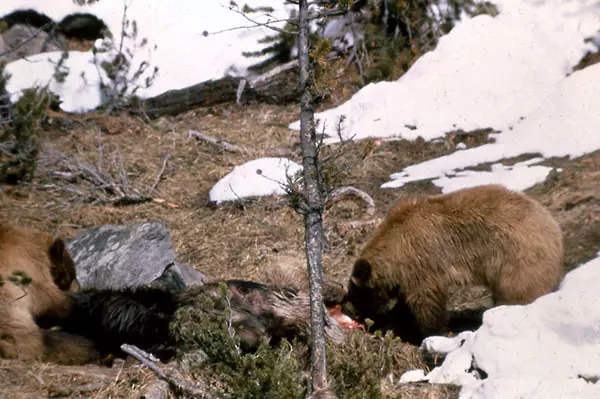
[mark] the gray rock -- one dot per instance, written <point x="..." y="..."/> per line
<point x="113" y="256"/>
<point x="18" y="37"/>
<point x="178" y="276"/>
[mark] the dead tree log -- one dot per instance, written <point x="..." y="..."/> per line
<point x="279" y="85"/>
<point x="173" y="102"/>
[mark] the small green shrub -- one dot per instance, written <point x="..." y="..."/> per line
<point x="20" y="123"/>
<point x="356" y="367"/>
<point x="120" y="77"/>
<point x="270" y="372"/>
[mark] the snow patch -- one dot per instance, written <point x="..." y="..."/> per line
<point x="541" y="350"/>
<point x="184" y="55"/>
<point x="565" y="124"/>
<point x="263" y="176"/>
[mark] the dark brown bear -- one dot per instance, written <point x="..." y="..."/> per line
<point x="45" y="260"/>
<point x="486" y="235"/>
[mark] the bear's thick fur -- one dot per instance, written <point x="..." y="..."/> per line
<point x="486" y="235"/>
<point x="45" y="260"/>
<point x="143" y="316"/>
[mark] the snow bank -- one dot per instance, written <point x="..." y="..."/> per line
<point x="508" y="73"/>
<point x="76" y="94"/>
<point x="263" y="176"/>
<point x="183" y="55"/>
<point x="541" y="350"/>
<point x="487" y="72"/>
<point x="566" y="124"/>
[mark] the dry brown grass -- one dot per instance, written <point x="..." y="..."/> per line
<point x="42" y="380"/>
<point x="244" y="240"/>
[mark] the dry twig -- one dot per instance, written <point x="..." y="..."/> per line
<point x="218" y="142"/>
<point x="98" y="183"/>
<point x="159" y="176"/>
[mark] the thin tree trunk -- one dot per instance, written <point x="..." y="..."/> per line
<point x="313" y="220"/>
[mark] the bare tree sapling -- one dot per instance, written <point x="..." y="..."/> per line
<point x="313" y="207"/>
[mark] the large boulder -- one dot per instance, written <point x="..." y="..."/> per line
<point x="113" y="256"/>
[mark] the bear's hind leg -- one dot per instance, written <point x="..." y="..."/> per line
<point x="21" y="338"/>
<point x="65" y="348"/>
<point x="521" y="284"/>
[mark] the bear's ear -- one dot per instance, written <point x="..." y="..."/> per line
<point x="361" y="271"/>
<point x="57" y="251"/>
<point x="62" y="265"/>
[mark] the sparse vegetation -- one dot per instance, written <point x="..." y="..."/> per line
<point x="386" y="36"/>
<point x="120" y="77"/>
<point x="20" y="124"/>
<point x="357" y="367"/>
<point x="267" y="373"/>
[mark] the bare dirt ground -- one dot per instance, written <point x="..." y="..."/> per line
<point x="234" y="240"/>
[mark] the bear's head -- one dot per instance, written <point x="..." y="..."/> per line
<point x="367" y="297"/>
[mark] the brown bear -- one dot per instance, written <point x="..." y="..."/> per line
<point x="486" y="235"/>
<point x="23" y="308"/>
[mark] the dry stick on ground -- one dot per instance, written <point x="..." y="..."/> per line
<point x="218" y="142"/>
<point x="159" y="176"/>
<point x="122" y="193"/>
<point x="148" y="360"/>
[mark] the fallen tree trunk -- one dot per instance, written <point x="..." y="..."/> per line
<point x="276" y="86"/>
<point x="173" y="102"/>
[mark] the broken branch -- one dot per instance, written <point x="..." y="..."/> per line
<point x="367" y="219"/>
<point x="218" y="142"/>
<point x="159" y="176"/>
